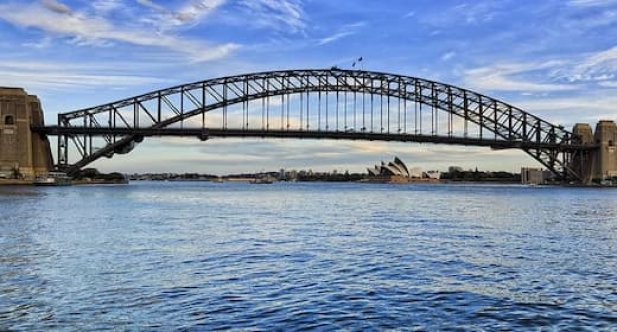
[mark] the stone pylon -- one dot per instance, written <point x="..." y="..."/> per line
<point x="23" y="154"/>
<point x="601" y="163"/>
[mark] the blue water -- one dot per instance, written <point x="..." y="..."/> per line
<point x="292" y="256"/>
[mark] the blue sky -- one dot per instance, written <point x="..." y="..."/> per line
<point x="553" y="58"/>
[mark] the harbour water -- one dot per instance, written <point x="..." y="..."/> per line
<point x="290" y="256"/>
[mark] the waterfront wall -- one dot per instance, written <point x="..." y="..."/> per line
<point x="23" y="154"/>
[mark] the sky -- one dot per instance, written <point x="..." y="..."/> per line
<point x="553" y="58"/>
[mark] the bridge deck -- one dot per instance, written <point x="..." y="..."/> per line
<point x="205" y="133"/>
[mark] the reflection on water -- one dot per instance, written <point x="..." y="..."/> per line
<point x="343" y="256"/>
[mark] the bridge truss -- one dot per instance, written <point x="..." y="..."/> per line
<point x="328" y="104"/>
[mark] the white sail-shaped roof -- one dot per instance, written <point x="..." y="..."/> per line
<point x="393" y="168"/>
<point x="373" y="171"/>
<point x="401" y="165"/>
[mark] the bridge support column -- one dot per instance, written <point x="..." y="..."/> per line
<point x="23" y="154"/>
<point x="606" y="158"/>
<point x="600" y="164"/>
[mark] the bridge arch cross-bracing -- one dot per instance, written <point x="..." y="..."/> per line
<point x="321" y="104"/>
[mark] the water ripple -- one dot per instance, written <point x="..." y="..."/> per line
<point x="199" y="256"/>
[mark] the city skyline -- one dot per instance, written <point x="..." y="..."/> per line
<point x="554" y="59"/>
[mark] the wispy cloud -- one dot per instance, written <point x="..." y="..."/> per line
<point x="58" y="19"/>
<point x="150" y="4"/>
<point x="587" y="107"/>
<point x="196" y="10"/>
<point x="589" y="3"/>
<point x="467" y="13"/>
<point x="45" y="42"/>
<point x="56" y="6"/>
<point x="509" y="77"/>
<point x="591" y="104"/>
<point x="600" y="66"/>
<point x="334" y="37"/>
<point x="576" y="72"/>
<point x="284" y="15"/>
<point x="66" y="76"/>
<point x="344" y="31"/>
<point x="448" y="56"/>
<point x="106" y="6"/>
<point x="477" y="12"/>
<point x="410" y="14"/>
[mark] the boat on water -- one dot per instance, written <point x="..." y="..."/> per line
<point x="264" y="180"/>
<point x="53" y="179"/>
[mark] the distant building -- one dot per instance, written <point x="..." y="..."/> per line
<point x="396" y="171"/>
<point x="530" y="175"/>
<point x="393" y="168"/>
<point x="454" y="169"/>
<point x="416" y="172"/>
<point x="433" y="175"/>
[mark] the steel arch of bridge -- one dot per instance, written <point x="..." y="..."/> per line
<point x="164" y="112"/>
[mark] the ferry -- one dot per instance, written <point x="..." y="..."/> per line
<point x="53" y="179"/>
<point x="263" y="180"/>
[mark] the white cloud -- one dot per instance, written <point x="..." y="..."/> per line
<point x="284" y="15"/>
<point x="150" y="4"/>
<point x="410" y="14"/>
<point x="468" y="13"/>
<point x="609" y="84"/>
<point x="334" y="37"/>
<point x="56" y="6"/>
<point x="87" y="29"/>
<point x="589" y="105"/>
<point x="600" y="66"/>
<point x="280" y="15"/>
<point x="581" y="98"/>
<point x="66" y="76"/>
<point x="448" y="56"/>
<point x="190" y="13"/>
<point x="41" y="44"/>
<point x="106" y="6"/>
<point x="506" y="77"/>
<point x="589" y="3"/>
<point x="344" y="31"/>
<point x="196" y="10"/>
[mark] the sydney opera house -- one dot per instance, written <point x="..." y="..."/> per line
<point x="397" y="171"/>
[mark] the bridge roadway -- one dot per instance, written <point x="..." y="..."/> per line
<point x="205" y="133"/>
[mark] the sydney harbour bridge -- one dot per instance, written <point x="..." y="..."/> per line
<point x="319" y="104"/>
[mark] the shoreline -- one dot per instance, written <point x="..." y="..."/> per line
<point x="433" y="182"/>
<point x="85" y="182"/>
